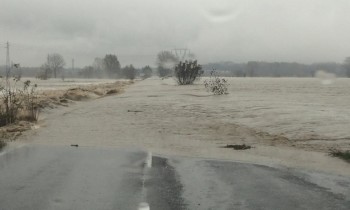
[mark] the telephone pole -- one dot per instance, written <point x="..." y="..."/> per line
<point x="8" y="64"/>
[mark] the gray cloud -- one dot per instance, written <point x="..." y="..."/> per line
<point x="135" y="30"/>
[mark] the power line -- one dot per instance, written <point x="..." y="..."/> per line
<point x="181" y="53"/>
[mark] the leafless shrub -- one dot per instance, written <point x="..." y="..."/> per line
<point x="29" y="97"/>
<point x="215" y="84"/>
<point x="10" y="103"/>
<point x="17" y="103"/>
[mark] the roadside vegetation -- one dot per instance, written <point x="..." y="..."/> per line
<point x="18" y="101"/>
<point x="344" y="155"/>
<point x="29" y="102"/>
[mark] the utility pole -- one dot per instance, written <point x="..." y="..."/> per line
<point x="8" y="64"/>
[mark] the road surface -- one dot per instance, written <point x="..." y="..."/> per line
<point x="64" y="177"/>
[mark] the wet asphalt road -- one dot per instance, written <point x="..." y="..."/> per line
<point x="59" y="177"/>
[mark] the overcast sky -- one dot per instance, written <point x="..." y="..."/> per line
<point x="214" y="30"/>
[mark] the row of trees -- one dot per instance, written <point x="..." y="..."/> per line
<point x="110" y="67"/>
<point x="107" y="67"/>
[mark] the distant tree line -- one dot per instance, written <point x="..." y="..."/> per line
<point x="107" y="67"/>
<point x="347" y="66"/>
<point x="277" y="69"/>
<point x="110" y="67"/>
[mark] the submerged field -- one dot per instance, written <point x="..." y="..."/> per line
<point x="303" y="112"/>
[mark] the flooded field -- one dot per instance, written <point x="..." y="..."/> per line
<point x="288" y="121"/>
<point x="302" y="112"/>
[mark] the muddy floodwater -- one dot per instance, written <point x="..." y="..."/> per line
<point x="309" y="113"/>
<point x="291" y="121"/>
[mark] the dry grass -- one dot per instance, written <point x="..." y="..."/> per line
<point x="53" y="98"/>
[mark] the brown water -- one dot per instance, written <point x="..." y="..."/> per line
<point x="280" y="118"/>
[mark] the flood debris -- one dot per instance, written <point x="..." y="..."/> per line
<point x="113" y="91"/>
<point x="344" y="155"/>
<point x="2" y="144"/>
<point x="134" y="110"/>
<point x="74" y="145"/>
<point x="237" y="146"/>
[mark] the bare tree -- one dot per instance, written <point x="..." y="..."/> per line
<point x="166" y="62"/>
<point x="55" y="63"/>
<point x="99" y="68"/>
<point x="45" y="72"/>
<point x="112" y="65"/>
<point x="98" y="64"/>
<point x="147" y="72"/>
<point x="129" y="72"/>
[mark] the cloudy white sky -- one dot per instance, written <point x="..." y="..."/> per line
<point x="214" y="30"/>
